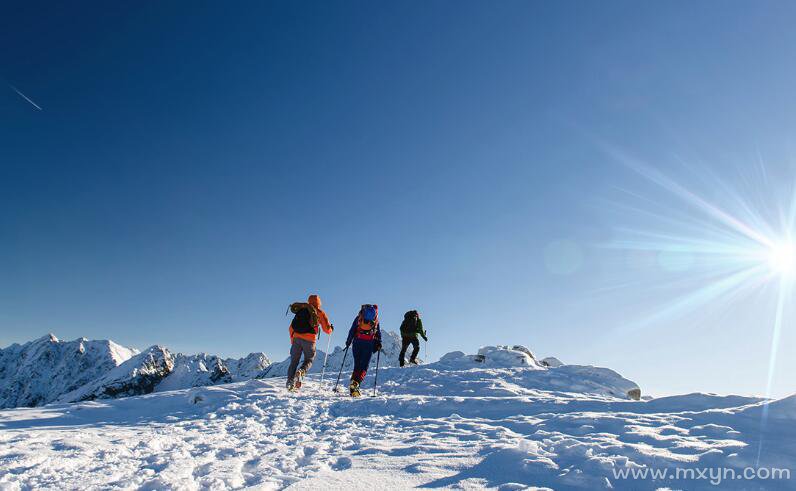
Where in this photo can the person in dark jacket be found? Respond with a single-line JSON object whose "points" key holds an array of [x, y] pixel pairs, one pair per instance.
{"points": [[365, 336], [411, 328]]}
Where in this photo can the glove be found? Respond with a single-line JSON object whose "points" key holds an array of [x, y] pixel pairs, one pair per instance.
{"points": [[425, 339], [347, 344], [377, 347], [331, 327]]}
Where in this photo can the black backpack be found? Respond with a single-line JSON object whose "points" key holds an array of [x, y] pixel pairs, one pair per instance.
{"points": [[306, 319], [409, 325]]}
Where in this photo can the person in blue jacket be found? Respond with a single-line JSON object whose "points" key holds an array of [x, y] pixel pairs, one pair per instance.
{"points": [[365, 336]]}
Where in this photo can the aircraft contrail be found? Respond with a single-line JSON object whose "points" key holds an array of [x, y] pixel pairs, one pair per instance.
{"points": [[25, 97]]}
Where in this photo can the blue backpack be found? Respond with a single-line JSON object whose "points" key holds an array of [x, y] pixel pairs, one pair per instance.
{"points": [[370, 313]]}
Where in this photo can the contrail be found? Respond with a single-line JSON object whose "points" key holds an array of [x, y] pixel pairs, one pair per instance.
{"points": [[25, 97]]}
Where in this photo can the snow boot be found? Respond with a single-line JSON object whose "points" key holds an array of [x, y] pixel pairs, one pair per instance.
{"points": [[354, 388], [291, 387], [299, 377]]}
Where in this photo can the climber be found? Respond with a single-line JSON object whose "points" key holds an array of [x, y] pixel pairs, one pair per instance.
{"points": [[411, 328], [365, 336], [303, 335]]}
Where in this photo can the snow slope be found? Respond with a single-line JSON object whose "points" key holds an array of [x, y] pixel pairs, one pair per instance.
{"points": [[38, 372], [459, 423]]}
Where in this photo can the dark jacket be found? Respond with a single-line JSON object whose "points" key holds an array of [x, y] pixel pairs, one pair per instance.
{"points": [[412, 326]]}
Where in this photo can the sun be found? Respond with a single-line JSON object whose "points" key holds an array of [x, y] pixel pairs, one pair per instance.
{"points": [[781, 258]]}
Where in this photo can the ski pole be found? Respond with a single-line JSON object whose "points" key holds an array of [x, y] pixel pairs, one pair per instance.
{"points": [[341, 369], [376, 381], [326, 357]]}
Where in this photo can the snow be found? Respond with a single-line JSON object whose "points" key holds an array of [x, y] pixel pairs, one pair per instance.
{"points": [[552, 361], [496, 419], [158, 369], [139, 375], [249, 367]]}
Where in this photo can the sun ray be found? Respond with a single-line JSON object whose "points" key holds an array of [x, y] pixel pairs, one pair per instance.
{"points": [[694, 199], [698, 254]]}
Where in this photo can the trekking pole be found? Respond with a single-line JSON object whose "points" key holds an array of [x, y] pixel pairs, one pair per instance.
{"points": [[326, 358], [341, 369], [376, 382]]}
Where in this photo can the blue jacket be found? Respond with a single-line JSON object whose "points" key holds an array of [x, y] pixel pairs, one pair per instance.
{"points": [[373, 336]]}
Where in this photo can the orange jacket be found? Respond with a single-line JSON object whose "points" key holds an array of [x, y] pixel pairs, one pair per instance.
{"points": [[323, 320]]}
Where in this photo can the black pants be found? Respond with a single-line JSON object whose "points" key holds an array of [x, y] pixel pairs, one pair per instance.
{"points": [[405, 342]]}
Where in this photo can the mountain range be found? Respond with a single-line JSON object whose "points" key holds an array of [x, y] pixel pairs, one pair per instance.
{"points": [[49, 370]]}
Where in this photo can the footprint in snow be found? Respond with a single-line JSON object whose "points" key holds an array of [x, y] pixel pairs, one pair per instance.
{"points": [[342, 464]]}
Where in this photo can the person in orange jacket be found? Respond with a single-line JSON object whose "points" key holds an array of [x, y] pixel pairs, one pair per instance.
{"points": [[303, 335]]}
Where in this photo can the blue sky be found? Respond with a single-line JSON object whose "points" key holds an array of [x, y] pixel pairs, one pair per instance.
{"points": [[197, 167]]}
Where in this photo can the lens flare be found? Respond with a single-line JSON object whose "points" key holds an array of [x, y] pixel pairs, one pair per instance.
{"points": [[715, 248], [781, 259]]}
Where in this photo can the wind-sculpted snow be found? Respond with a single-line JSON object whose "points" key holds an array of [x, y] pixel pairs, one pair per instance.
{"points": [[552, 361], [40, 371], [442, 425]]}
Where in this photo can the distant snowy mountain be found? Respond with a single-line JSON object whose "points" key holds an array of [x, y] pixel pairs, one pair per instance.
{"points": [[138, 375], [48, 370], [158, 370], [248, 367], [38, 372]]}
